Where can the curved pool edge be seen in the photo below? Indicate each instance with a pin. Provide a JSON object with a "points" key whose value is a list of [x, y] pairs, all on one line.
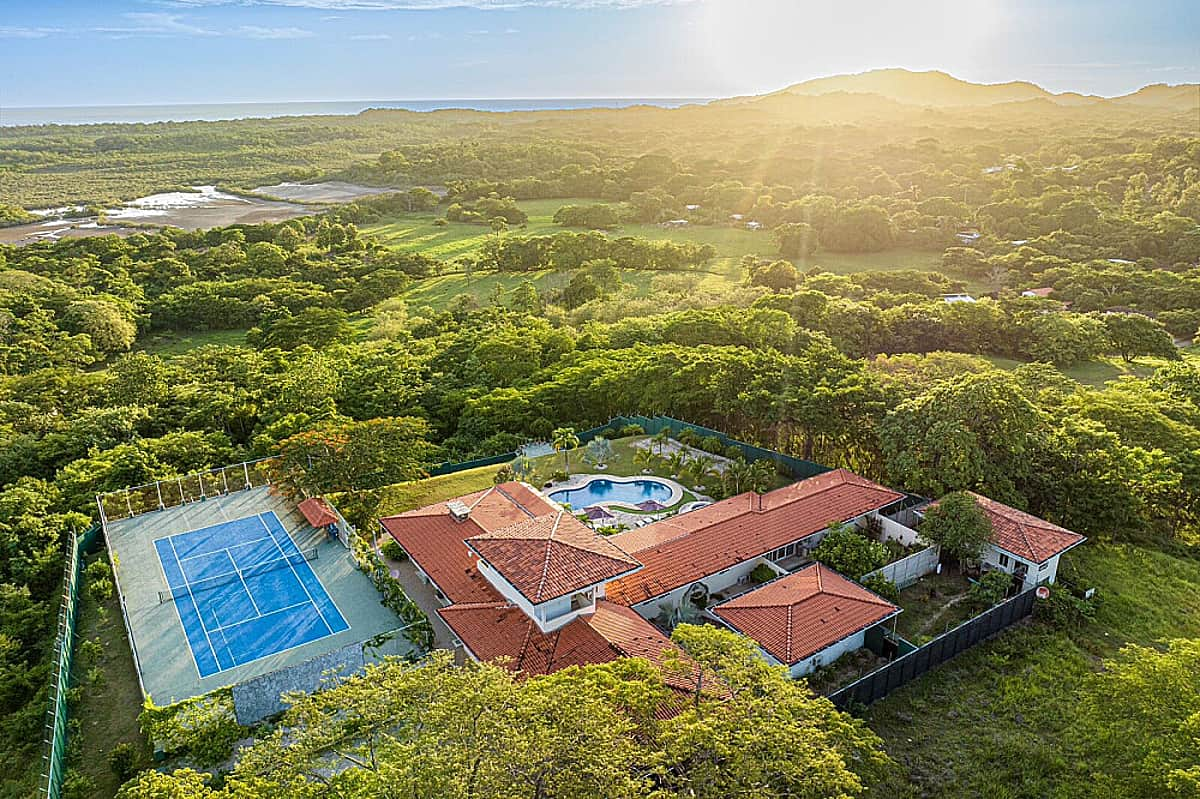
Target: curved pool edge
{"points": [[578, 481]]}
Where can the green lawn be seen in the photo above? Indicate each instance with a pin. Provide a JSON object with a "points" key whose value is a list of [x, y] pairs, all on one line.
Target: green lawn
{"points": [[418, 233], [998, 721], [934, 604], [1092, 373]]}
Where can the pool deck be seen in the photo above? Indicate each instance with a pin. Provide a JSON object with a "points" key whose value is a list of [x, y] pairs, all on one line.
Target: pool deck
{"points": [[578, 481], [161, 652]]}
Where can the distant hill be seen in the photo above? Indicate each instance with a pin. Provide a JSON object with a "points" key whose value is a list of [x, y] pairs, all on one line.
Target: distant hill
{"points": [[934, 89]]}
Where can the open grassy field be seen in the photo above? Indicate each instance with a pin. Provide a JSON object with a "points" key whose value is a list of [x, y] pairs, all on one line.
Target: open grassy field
{"points": [[418, 233], [999, 720], [1103, 370]]}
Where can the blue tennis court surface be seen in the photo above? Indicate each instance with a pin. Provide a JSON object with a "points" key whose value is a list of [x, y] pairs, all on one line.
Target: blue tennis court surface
{"points": [[244, 590]]}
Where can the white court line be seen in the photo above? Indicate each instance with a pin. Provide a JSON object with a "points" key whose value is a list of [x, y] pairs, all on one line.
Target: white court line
{"points": [[262, 616], [228, 649], [296, 574], [227, 549], [171, 590], [196, 606]]}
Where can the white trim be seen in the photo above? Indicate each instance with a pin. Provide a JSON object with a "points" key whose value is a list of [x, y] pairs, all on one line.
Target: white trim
{"points": [[195, 606], [296, 574], [162, 570]]}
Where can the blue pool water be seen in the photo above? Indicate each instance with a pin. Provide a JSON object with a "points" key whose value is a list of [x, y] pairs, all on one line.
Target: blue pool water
{"points": [[600, 491], [244, 591]]}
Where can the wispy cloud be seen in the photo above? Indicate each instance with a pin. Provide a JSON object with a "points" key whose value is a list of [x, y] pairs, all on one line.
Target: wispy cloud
{"points": [[427, 5], [156, 23], [259, 32], [371, 37], [14, 32]]}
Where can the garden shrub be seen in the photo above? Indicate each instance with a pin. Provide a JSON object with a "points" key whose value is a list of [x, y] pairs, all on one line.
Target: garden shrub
{"points": [[559, 476], [206, 727], [883, 586], [122, 760], [393, 551], [631, 430], [419, 630], [733, 452], [762, 573], [991, 588], [1063, 609], [712, 444]]}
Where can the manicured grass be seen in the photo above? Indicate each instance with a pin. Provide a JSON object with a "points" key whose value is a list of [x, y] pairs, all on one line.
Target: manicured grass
{"points": [[402, 497], [1000, 720], [110, 701]]}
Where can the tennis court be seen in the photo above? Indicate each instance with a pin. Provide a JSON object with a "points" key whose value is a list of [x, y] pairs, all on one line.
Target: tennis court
{"points": [[244, 590]]}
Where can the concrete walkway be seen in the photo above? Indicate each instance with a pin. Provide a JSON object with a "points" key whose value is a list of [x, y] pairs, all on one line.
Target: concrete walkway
{"points": [[422, 593]]}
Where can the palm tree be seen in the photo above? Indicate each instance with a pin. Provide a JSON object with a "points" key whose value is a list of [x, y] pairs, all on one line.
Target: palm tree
{"points": [[675, 462], [564, 441], [661, 438], [521, 467], [762, 474], [699, 467], [644, 458], [737, 473]]}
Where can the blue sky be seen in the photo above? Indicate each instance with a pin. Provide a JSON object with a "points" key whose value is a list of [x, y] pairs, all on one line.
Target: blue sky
{"points": [[74, 52]]}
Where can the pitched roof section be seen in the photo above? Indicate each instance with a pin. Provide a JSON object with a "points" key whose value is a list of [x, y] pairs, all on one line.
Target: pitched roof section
{"points": [[502, 630], [797, 616], [434, 539], [317, 512], [551, 555], [1024, 535], [688, 547]]}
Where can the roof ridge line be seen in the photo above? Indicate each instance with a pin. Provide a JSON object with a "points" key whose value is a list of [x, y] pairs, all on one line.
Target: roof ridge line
{"points": [[482, 497], [546, 553]]}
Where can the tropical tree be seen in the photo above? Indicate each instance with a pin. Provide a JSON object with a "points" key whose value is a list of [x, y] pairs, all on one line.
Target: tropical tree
{"points": [[598, 452], [958, 525], [661, 439], [844, 549], [521, 467], [675, 462], [698, 467], [737, 473], [645, 457], [564, 440]]}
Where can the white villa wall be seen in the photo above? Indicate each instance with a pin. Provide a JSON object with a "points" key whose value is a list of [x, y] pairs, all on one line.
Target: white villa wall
{"points": [[828, 654], [906, 571], [895, 531], [1033, 576], [548, 616]]}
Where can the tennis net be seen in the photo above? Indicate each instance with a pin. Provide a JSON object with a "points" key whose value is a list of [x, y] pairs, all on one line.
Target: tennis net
{"points": [[237, 575]]}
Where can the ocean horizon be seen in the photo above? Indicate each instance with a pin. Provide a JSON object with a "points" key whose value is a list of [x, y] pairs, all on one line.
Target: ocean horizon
{"points": [[212, 112]]}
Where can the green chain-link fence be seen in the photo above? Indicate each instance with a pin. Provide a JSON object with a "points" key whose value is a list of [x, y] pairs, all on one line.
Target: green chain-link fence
{"points": [[64, 650]]}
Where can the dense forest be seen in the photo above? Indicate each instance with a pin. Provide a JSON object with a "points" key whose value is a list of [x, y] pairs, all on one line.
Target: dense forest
{"points": [[1097, 208]]}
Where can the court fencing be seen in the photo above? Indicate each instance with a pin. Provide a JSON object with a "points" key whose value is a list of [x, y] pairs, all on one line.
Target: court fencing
{"points": [[170, 493], [54, 759], [906, 668], [237, 575]]}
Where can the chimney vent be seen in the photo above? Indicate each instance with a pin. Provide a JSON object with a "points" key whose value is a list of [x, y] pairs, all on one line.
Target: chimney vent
{"points": [[458, 510]]}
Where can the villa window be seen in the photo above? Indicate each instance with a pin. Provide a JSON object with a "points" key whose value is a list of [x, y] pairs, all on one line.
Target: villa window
{"points": [[1044, 566], [1004, 561]]}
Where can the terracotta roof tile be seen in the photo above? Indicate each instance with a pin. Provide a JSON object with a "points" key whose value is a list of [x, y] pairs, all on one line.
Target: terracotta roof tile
{"points": [[317, 512], [435, 540], [1024, 535], [690, 546], [501, 630], [550, 556], [797, 616]]}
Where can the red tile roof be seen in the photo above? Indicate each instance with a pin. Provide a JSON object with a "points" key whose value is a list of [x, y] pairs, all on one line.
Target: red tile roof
{"points": [[551, 556], [684, 548], [317, 512], [797, 616], [501, 630], [1024, 535], [434, 539]]}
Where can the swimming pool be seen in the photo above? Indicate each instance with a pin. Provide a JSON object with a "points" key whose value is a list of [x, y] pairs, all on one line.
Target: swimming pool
{"points": [[619, 491]]}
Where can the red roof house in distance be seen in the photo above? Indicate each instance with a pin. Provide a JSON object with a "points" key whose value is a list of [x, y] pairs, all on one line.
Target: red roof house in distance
{"points": [[808, 618], [711, 549], [1024, 545]]}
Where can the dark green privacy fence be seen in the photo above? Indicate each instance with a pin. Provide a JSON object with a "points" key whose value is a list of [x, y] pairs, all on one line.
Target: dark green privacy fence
{"points": [[64, 650], [796, 467], [913, 664]]}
